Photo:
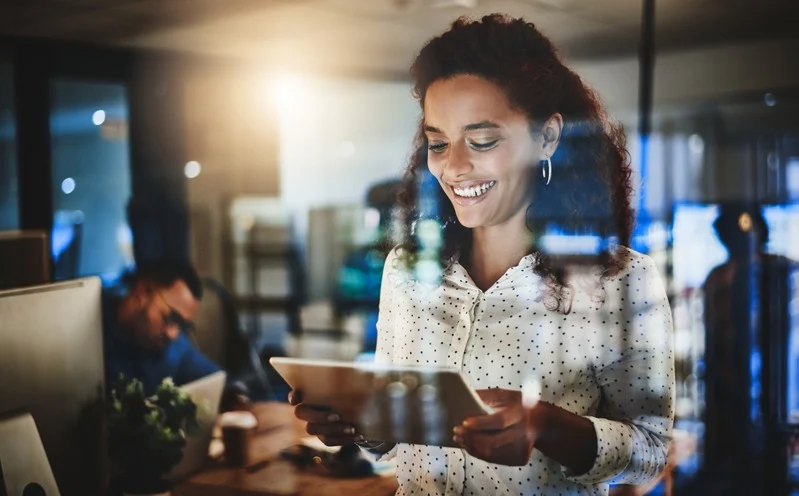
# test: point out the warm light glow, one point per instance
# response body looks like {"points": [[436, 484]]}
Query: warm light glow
{"points": [[283, 90], [68, 185], [192, 169], [745, 222], [290, 93], [98, 117]]}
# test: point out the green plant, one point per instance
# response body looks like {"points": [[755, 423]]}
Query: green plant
{"points": [[146, 434]]}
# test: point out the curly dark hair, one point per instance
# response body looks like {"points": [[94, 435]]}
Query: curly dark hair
{"points": [[590, 190]]}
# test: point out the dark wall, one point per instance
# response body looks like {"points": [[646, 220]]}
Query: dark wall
{"points": [[9, 201], [157, 212]]}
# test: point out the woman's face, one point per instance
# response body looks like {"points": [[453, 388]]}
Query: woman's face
{"points": [[480, 149]]}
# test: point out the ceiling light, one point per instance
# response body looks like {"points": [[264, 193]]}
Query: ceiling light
{"points": [[192, 169], [68, 185], [98, 117]]}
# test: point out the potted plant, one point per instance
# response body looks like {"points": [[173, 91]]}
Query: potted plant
{"points": [[146, 434]]}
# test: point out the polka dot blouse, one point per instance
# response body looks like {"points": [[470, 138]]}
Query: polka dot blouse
{"points": [[609, 359]]}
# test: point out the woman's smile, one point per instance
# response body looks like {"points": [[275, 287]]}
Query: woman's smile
{"points": [[469, 193]]}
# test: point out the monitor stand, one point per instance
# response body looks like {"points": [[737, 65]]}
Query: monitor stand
{"points": [[24, 468]]}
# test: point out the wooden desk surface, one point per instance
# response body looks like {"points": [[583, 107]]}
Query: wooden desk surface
{"points": [[278, 429]]}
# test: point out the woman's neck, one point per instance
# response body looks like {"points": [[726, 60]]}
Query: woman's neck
{"points": [[495, 249]]}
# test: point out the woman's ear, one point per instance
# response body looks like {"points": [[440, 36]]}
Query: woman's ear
{"points": [[551, 131]]}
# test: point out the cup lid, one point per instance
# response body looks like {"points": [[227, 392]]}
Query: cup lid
{"points": [[239, 419]]}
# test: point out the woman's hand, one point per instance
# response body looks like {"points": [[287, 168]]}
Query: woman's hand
{"points": [[325, 425], [506, 437]]}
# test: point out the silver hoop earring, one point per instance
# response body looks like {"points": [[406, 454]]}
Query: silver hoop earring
{"points": [[546, 169]]}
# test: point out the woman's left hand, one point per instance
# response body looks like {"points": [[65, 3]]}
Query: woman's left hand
{"points": [[506, 437]]}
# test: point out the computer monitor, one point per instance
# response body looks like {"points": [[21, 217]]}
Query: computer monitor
{"points": [[51, 365]]}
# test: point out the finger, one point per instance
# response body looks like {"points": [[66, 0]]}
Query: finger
{"points": [[503, 419], [314, 415], [497, 397], [496, 440], [474, 444], [330, 430], [336, 440], [295, 397], [508, 447]]}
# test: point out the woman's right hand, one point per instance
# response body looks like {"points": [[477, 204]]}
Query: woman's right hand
{"points": [[324, 424]]}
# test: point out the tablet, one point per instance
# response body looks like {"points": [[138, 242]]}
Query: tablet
{"points": [[387, 402]]}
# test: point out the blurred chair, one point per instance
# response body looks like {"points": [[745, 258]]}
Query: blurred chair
{"points": [[276, 277], [219, 335]]}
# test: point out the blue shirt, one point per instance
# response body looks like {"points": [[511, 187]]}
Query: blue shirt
{"points": [[180, 360]]}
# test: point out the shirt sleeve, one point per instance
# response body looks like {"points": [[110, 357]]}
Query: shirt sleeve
{"points": [[192, 364], [636, 410]]}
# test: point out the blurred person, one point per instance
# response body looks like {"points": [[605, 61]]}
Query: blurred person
{"points": [[147, 325], [514, 139], [738, 450]]}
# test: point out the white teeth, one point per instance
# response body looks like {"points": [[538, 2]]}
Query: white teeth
{"points": [[474, 191]]}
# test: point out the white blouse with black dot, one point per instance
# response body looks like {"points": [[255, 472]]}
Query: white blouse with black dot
{"points": [[609, 358]]}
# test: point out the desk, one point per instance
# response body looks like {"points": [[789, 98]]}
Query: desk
{"points": [[278, 429]]}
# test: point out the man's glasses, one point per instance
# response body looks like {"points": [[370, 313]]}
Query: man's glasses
{"points": [[173, 317]]}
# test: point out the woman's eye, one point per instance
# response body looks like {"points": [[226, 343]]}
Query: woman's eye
{"points": [[437, 147], [483, 146]]}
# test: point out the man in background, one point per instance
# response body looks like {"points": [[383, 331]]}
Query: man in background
{"points": [[746, 315], [147, 330]]}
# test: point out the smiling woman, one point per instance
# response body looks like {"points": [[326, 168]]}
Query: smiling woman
{"points": [[512, 140]]}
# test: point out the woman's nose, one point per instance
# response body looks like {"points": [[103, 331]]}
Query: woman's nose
{"points": [[458, 162]]}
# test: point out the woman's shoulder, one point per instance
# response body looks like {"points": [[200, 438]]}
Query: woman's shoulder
{"points": [[633, 264], [396, 259], [626, 263], [639, 280], [396, 267]]}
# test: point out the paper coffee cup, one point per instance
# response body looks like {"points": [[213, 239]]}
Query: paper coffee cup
{"points": [[237, 432]]}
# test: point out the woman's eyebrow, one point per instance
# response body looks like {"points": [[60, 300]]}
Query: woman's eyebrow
{"points": [[467, 127], [481, 125], [431, 129]]}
